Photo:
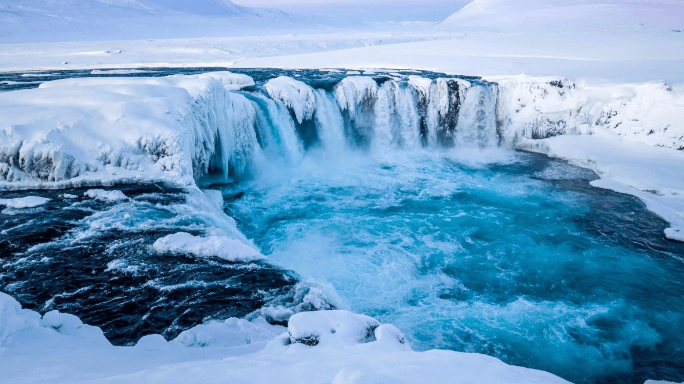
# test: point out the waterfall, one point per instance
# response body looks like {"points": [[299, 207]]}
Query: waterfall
{"points": [[280, 121]]}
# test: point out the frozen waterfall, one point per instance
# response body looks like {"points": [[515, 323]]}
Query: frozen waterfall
{"points": [[285, 117]]}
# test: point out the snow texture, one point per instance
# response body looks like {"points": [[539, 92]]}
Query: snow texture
{"points": [[24, 202], [360, 351], [211, 246]]}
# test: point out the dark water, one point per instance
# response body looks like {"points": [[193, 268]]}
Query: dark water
{"points": [[94, 259]]}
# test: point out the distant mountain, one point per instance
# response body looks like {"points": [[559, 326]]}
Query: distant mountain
{"points": [[73, 20], [569, 15]]}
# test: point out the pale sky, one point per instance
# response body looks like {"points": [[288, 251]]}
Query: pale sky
{"points": [[368, 10]]}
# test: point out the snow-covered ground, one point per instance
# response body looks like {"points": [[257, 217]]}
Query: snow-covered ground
{"points": [[317, 347]]}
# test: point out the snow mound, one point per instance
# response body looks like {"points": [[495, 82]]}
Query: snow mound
{"points": [[331, 328], [211, 246], [101, 194], [229, 333], [296, 95], [24, 202]]}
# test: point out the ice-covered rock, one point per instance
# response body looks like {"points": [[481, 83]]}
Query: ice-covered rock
{"points": [[331, 328], [101, 194], [355, 91], [296, 95], [211, 246], [24, 202]]}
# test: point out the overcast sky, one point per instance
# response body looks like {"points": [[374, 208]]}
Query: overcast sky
{"points": [[367, 10]]}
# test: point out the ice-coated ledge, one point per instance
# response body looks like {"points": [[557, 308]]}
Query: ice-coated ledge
{"points": [[104, 131], [350, 349]]}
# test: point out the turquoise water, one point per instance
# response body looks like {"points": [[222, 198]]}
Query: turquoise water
{"points": [[505, 253]]}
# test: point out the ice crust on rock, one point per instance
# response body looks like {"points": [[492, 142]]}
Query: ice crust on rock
{"points": [[211, 246], [296, 95], [24, 202]]}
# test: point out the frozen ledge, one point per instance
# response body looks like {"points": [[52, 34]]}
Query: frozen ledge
{"points": [[348, 348], [653, 174]]}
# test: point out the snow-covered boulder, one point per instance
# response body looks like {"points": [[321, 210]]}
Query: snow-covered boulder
{"points": [[331, 328], [297, 96], [211, 246]]}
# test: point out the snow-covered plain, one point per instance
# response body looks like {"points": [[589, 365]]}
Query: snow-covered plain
{"points": [[620, 116]]}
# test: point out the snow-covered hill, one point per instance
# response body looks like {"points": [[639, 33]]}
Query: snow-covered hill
{"points": [[609, 16], [73, 20]]}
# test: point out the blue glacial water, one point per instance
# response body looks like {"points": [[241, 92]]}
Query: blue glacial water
{"points": [[471, 248], [509, 254]]}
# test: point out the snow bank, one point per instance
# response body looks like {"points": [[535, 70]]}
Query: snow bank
{"points": [[297, 96], [212, 246], [360, 351], [24, 202], [101, 194], [650, 173], [102, 131]]}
